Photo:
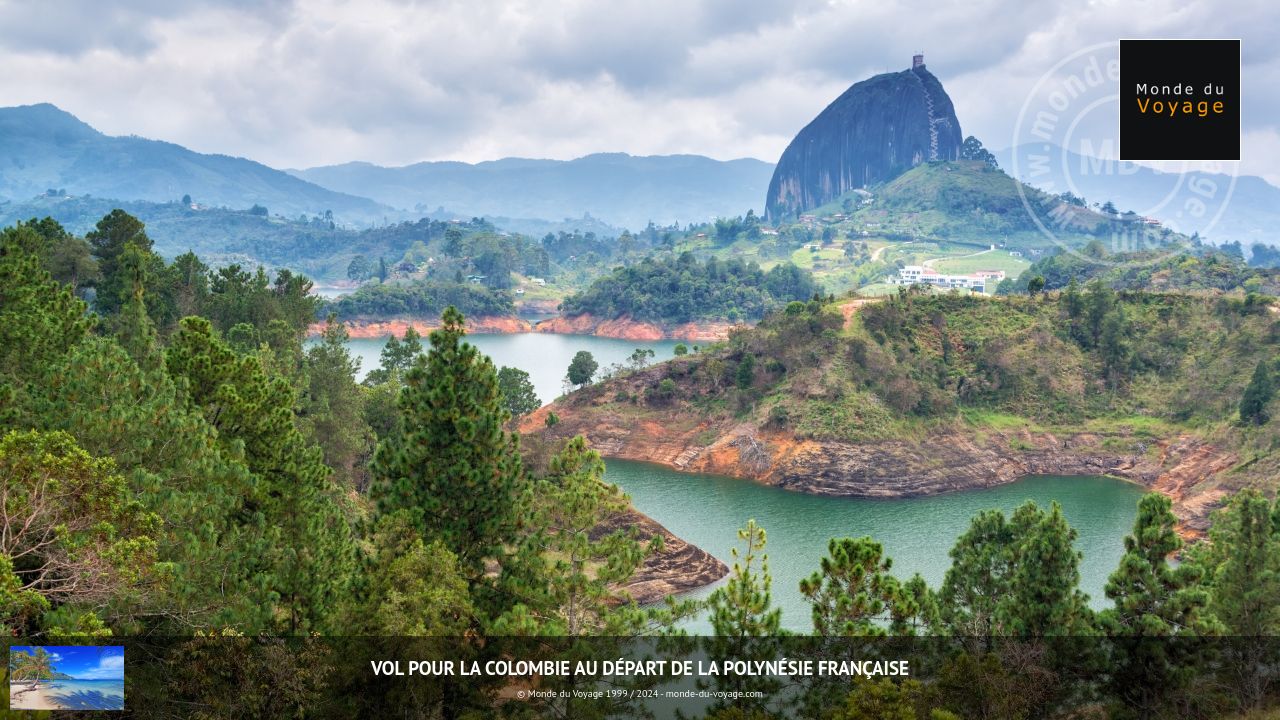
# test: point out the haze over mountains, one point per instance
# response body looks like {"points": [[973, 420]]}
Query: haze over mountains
{"points": [[1252, 214], [620, 189], [43, 147]]}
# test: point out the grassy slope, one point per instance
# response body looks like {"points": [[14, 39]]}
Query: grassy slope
{"points": [[940, 212]]}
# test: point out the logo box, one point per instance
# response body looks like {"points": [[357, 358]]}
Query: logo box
{"points": [[1180, 99]]}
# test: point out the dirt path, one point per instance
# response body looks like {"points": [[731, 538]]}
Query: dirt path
{"points": [[875, 255], [929, 263]]}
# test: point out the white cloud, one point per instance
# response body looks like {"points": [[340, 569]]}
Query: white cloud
{"points": [[110, 667], [321, 81]]}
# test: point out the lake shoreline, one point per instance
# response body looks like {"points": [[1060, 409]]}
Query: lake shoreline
{"points": [[944, 461], [585, 325], [916, 532]]}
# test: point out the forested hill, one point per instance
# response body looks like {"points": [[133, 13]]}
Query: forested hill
{"points": [[924, 393], [1065, 357], [321, 248], [1198, 267], [422, 299], [46, 147], [683, 289]]}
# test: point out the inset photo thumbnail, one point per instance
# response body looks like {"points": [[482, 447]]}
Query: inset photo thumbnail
{"points": [[66, 677]]}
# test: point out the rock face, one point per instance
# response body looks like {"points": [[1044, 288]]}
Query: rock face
{"points": [[627, 329], [1192, 472], [878, 129], [375, 328], [678, 568]]}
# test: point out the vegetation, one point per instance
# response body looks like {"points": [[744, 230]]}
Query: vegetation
{"points": [[683, 289], [421, 298], [518, 395], [903, 365], [581, 369], [175, 462], [1192, 267]]}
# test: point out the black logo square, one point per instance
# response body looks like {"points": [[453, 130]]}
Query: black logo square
{"points": [[1180, 99]]}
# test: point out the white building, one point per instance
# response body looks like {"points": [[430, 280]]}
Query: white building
{"points": [[980, 281]]}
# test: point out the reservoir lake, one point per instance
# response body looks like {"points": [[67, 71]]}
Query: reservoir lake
{"points": [[707, 510]]}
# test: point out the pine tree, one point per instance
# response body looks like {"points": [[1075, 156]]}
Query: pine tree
{"points": [[1015, 576], [1043, 598], [744, 622], [311, 566], [332, 409], [212, 546], [1153, 600], [582, 567], [1242, 566], [133, 326], [398, 356], [1257, 395], [109, 240], [982, 564], [854, 594], [40, 321], [452, 467], [1246, 577], [743, 607]]}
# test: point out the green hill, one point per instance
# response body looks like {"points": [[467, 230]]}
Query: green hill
{"points": [[973, 203], [1197, 268], [922, 393]]}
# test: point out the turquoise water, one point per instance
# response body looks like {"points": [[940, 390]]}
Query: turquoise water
{"points": [[708, 510], [85, 694], [916, 532], [544, 356]]}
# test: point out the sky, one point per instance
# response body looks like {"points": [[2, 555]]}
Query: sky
{"points": [[83, 663], [301, 83]]}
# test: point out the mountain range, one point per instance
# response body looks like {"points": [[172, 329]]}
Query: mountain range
{"points": [[43, 147], [620, 189], [1251, 215]]}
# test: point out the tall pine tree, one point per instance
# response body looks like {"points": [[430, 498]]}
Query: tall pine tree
{"points": [[109, 240], [1043, 598], [1154, 603], [452, 468], [854, 594], [310, 567], [1242, 566], [1257, 395]]}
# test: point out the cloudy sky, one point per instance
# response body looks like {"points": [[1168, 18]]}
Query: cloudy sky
{"points": [[298, 83]]}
